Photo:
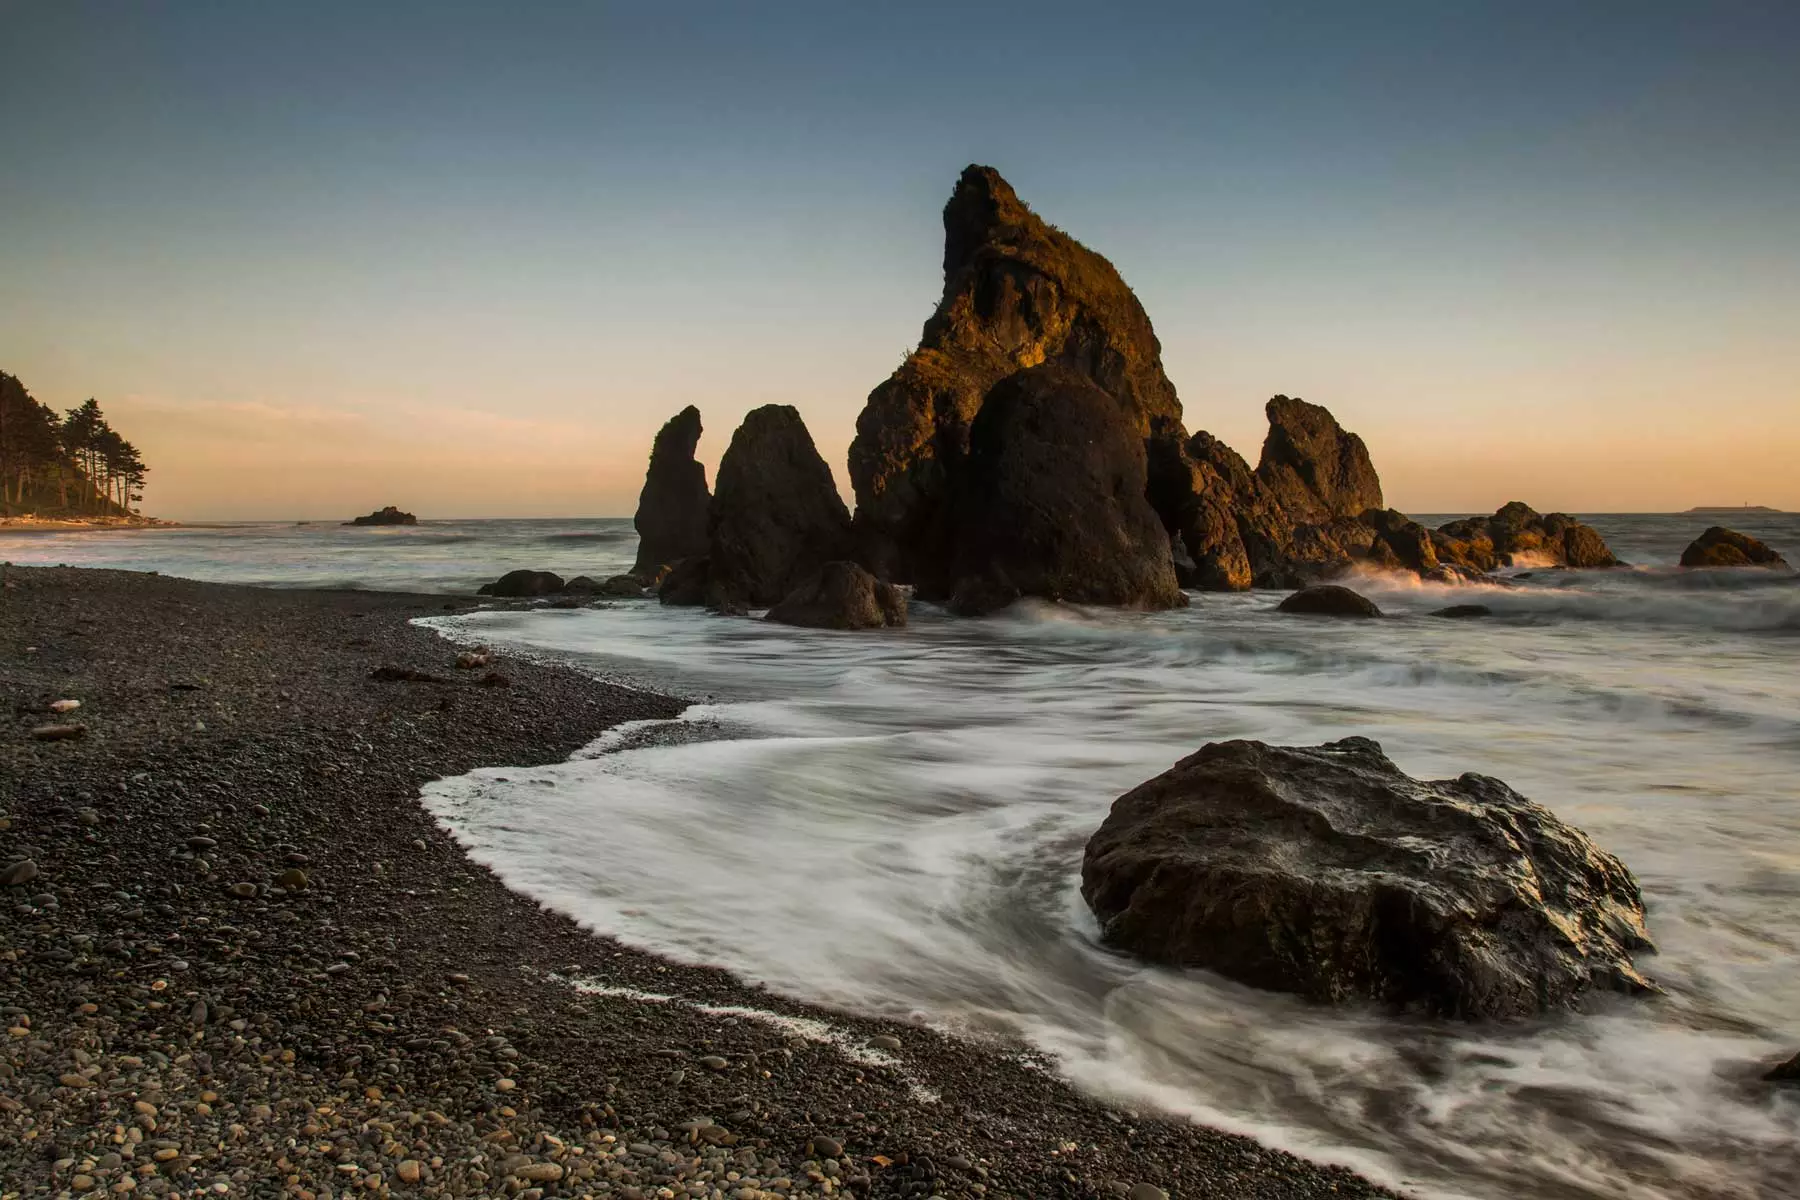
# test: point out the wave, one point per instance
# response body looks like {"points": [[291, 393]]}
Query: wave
{"points": [[606, 537]]}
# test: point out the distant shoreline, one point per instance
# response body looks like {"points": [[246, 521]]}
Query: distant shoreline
{"points": [[1720, 510], [77, 524]]}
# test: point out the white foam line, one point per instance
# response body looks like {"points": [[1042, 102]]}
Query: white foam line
{"points": [[811, 1029]]}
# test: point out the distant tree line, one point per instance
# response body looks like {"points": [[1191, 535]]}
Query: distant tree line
{"points": [[75, 464]]}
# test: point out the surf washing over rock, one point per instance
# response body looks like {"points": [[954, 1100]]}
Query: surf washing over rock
{"points": [[1033, 446]]}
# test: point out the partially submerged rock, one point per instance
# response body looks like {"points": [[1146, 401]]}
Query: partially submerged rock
{"points": [[1327, 871], [1518, 535], [516, 584], [1050, 501], [386, 516], [1329, 600], [1722, 547], [1787, 1072], [672, 509], [686, 583], [842, 595], [1463, 612], [776, 516]]}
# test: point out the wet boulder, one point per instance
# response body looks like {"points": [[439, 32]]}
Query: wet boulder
{"points": [[1518, 535], [1051, 501], [1464, 612], [515, 584], [672, 509], [776, 516], [1329, 600], [1787, 1072], [841, 595], [1328, 872], [1721, 547]]}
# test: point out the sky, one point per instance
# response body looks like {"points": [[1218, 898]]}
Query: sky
{"points": [[466, 258]]}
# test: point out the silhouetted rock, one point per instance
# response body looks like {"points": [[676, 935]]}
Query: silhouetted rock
{"points": [[1326, 871], [1017, 293], [386, 516], [672, 509], [777, 516], [1050, 501], [523, 583], [1518, 535], [1312, 467], [1463, 612], [1721, 547], [841, 595], [1787, 1072], [625, 587], [583, 585], [686, 583], [1328, 600]]}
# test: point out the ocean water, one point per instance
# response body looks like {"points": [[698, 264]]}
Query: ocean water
{"points": [[893, 822]]}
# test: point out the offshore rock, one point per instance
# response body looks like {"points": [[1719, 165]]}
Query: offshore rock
{"points": [[671, 518], [1518, 535], [1329, 600], [1017, 293], [1328, 872], [1051, 502], [842, 595], [386, 516], [1721, 547], [776, 516]]}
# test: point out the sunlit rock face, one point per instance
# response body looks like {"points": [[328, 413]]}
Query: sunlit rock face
{"points": [[1327, 871]]}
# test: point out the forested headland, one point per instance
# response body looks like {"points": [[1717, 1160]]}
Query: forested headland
{"points": [[71, 466]]}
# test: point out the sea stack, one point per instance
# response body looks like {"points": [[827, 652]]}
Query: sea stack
{"points": [[1017, 294], [672, 509]]}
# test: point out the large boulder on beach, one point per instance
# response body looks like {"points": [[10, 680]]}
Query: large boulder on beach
{"points": [[841, 595], [1017, 293], [1313, 467], [671, 518], [1722, 547], [516, 584], [776, 515], [1328, 872], [1051, 502], [1518, 535], [1329, 600]]}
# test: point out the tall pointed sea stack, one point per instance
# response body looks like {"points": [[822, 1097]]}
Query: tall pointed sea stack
{"points": [[1017, 293], [672, 508]]}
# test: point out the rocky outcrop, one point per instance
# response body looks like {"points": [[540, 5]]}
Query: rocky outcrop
{"points": [[776, 515], [1017, 293], [1329, 600], [687, 583], [1050, 501], [1721, 547], [841, 595], [1518, 535], [671, 519], [1312, 467], [386, 516], [1326, 871], [523, 583]]}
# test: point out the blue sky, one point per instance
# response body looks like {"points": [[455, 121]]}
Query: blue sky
{"points": [[316, 258]]}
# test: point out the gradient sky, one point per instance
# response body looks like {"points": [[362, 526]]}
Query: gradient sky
{"points": [[315, 258]]}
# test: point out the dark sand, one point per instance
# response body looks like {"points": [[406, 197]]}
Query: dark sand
{"points": [[399, 1023]]}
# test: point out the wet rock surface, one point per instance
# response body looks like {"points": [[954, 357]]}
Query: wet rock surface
{"points": [[522, 584], [1327, 871], [1721, 547], [842, 595], [1329, 600], [373, 1013], [1313, 467], [672, 509], [1519, 535]]}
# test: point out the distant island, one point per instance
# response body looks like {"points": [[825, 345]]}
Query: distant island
{"points": [[386, 516], [1726, 509]]}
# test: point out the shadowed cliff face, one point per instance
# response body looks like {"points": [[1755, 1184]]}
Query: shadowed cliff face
{"points": [[1017, 293], [777, 516]]}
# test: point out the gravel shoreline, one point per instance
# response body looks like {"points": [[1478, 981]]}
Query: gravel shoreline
{"points": [[247, 962]]}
